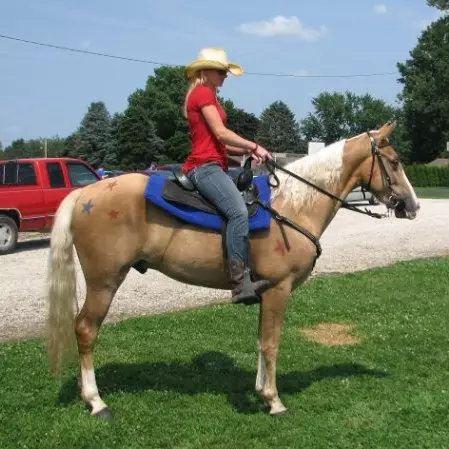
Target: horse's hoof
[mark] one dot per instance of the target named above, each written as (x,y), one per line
(277,411)
(105,413)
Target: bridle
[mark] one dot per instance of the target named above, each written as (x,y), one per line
(393,200)
(273,181)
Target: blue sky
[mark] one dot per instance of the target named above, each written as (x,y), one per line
(46,92)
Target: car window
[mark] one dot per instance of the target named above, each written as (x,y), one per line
(55,175)
(14,173)
(80,175)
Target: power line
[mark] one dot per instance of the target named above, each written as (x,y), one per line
(146,61)
(77,50)
(292,75)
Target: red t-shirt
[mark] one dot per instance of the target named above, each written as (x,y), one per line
(205,146)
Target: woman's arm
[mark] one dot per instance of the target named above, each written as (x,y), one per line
(223,134)
(232,140)
(236,150)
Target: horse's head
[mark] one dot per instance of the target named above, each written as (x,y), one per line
(383,174)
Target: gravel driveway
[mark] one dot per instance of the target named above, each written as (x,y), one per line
(352,242)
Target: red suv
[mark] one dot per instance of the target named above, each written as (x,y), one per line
(31,191)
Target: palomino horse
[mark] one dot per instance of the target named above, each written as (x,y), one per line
(112,227)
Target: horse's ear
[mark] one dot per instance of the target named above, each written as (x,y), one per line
(387,129)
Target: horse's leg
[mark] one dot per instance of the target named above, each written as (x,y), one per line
(261,370)
(88,322)
(270,323)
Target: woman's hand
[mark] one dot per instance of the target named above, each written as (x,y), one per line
(260,155)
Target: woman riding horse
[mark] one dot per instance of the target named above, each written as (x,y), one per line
(112,226)
(207,164)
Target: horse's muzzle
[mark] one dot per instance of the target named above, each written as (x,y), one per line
(402,211)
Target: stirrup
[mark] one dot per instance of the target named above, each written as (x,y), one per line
(260,287)
(247,300)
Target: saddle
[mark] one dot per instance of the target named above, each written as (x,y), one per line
(180,189)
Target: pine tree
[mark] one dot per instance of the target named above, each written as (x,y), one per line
(94,134)
(136,144)
(278,129)
(425,77)
(440,4)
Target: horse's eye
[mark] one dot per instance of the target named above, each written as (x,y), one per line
(395,164)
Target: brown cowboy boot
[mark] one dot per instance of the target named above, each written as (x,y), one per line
(245,291)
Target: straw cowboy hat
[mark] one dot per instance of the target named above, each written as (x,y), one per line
(212,58)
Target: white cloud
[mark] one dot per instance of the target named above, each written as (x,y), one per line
(380,9)
(281,25)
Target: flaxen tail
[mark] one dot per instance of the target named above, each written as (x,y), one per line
(61,284)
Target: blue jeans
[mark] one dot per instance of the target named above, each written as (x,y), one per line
(216,186)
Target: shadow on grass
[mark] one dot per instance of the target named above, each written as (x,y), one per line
(211,372)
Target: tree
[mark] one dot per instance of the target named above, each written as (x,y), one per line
(135,140)
(72,146)
(17,149)
(112,159)
(163,98)
(94,134)
(36,147)
(176,147)
(342,115)
(440,4)
(21,148)
(55,146)
(425,77)
(278,129)
(241,122)
(401,139)
(153,121)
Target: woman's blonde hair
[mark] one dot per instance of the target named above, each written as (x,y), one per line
(198,79)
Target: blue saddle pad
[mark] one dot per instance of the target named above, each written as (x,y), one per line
(260,220)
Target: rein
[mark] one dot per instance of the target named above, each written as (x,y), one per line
(271,166)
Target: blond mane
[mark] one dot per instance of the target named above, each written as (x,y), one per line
(323,168)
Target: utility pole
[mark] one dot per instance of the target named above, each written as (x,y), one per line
(44,147)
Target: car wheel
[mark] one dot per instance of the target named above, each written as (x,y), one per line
(9,234)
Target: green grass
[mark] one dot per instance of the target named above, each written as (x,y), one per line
(186,380)
(432,192)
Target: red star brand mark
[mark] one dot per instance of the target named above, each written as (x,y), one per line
(280,248)
(111,185)
(114,214)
